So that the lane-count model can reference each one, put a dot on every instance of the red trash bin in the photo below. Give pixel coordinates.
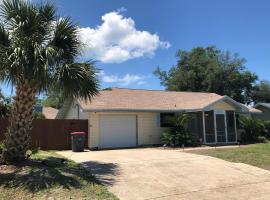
(77, 141)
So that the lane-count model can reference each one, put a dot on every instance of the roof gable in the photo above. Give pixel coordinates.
(232, 103)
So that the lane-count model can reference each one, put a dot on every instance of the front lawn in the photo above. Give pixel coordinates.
(48, 176)
(257, 154)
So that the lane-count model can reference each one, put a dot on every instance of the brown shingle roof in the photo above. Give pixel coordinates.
(254, 110)
(49, 112)
(267, 105)
(149, 100)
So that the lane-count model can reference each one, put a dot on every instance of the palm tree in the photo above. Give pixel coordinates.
(37, 52)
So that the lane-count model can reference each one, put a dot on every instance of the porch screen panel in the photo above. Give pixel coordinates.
(220, 123)
(200, 125)
(231, 126)
(209, 127)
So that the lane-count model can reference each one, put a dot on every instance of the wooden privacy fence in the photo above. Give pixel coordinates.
(52, 134)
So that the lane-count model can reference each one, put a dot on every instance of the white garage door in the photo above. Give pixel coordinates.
(117, 131)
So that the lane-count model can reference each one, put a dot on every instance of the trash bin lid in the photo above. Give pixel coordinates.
(77, 133)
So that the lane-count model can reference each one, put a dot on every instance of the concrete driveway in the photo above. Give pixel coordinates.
(154, 173)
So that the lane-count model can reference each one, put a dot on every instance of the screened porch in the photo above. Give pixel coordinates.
(214, 127)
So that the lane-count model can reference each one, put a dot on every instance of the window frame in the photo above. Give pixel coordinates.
(164, 124)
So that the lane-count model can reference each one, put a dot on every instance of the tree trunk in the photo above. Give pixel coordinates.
(18, 138)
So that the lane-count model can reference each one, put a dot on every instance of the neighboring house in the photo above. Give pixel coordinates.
(265, 111)
(48, 112)
(132, 117)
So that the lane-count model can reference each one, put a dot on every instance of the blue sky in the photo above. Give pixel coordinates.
(129, 39)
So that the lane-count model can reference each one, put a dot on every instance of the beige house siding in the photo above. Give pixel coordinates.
(148, 128)
(73, 113)
(93, 130)
(222, 106)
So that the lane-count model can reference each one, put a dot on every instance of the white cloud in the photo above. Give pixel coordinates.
(125, 80)
(122, 9)
(117, 40)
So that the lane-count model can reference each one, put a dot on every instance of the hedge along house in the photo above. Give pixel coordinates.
(130, 117)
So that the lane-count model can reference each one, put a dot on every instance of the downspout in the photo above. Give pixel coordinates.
(78, 111)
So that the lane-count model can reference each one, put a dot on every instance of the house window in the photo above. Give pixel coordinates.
(166, 119)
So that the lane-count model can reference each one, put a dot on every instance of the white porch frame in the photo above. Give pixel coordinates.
(235, 128)
(204, 137)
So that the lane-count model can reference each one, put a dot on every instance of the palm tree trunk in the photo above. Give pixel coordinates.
(18, 138)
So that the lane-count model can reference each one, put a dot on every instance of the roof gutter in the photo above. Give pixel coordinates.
(141, 110)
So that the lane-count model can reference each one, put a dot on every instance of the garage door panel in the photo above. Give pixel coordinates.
(117, 131)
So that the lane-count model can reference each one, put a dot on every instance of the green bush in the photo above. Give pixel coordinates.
(178, 135)
(267, 129)
(1, 147)
(39, 115)
(262, 139)
(254, 129)
(167, 138)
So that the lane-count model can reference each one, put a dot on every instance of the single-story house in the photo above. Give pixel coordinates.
(133, 117)
(265, 111)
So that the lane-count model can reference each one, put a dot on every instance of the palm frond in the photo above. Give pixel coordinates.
(66, 39)
(4, 48)
(14, 11)
(78, 80)
(4, 37)
(43, 49)
(47, 12)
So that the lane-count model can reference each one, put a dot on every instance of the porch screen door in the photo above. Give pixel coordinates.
(209, 127)
(220, 126)
(231, 126)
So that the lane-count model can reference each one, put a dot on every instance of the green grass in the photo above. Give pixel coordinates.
(48, 176)
(256, 155)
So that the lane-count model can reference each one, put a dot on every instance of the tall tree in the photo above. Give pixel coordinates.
(209, 70)
(261, 92)
(37, 52)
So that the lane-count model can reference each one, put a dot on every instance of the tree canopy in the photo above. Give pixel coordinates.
(209, 70)
(261, 92)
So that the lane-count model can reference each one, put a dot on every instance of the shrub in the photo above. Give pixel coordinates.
(178, 134)
(262, 139)
(267, 129)
(39, 115)
(253, 129)
(168, 138)
(1, 147)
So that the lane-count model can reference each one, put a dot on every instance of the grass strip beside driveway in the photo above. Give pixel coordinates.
(255, 154)
(48, 176)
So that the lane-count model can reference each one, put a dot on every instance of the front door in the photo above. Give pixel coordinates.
(221, 128)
